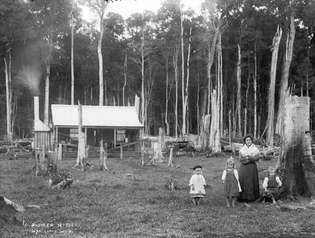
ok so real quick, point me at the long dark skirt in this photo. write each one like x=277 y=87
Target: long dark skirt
x=248 y=176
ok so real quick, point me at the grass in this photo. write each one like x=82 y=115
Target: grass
x=133 y=201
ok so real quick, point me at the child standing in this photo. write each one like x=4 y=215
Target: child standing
x=231 y=182
x=197 y=185
x=271 y=185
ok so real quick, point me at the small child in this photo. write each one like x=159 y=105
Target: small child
x=271 y=186
x=197 y=185
x=231 y=182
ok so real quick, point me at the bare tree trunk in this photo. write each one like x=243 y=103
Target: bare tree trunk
x=147 y=95
x=91 y=95
x=238 y=95
x=14 y=111
x=175 y=58
x=100 y=57
x=214 y=136
x=220 y=85
x=8 y=86
x=307 y=87
x=81 y=141
x=285 y=73
x=294 y=163
x=271 y=94
x=255 y=91
x=182 y=70
x=85 y=95
x=72 y=56
x=230 y=129
x=46 y=110
x=142 y=76
x=204 y=129
x=125 y=76
x=185 y=92
x=103 y=156
x=198 y=107
x=211 y=52
x=246 y=99
x=166 y=97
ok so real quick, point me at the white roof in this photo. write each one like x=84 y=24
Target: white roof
x=40 y=126
x=95 y=116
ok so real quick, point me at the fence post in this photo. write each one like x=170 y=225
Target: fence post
x=121 y=153
x=60 y=151
x=142 y=153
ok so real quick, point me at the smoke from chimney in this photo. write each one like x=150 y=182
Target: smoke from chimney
x=29 y=76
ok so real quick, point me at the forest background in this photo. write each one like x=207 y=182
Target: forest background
x=172 y=59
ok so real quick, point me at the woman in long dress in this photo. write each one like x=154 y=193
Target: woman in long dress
x=248 y=173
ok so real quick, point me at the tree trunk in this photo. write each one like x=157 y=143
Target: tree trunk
x=8 y=86
x=211 y=52
x=271 y=94
x=72 y=58
x=100 y=60
x=246 y=99
x=91 y=95
x=167 y=96
x=103 y=156
x=203 y=128
x=186 y=91
x=197 y=103
x=81 y=141
x=285 y=73
x=182 y=70
x=214 y=136
x=175 y=58
x=142 y=76
x=220 y=85
x=46 y=110
x=238 y=95
x=294 y=163
x=255 y=91
x=125 y=76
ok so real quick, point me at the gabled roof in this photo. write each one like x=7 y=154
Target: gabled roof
x=95 y=116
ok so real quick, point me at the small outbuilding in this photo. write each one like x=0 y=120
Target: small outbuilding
x=42 y=133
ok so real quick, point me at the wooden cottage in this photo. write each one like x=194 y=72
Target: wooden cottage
x=115 y=125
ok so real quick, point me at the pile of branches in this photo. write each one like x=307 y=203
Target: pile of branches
x=61 y=179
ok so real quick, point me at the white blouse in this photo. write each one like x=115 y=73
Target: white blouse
x=252 y=150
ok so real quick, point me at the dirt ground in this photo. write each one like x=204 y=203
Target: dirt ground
x=134 y=201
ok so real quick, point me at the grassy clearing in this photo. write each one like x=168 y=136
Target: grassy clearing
x=134 y=202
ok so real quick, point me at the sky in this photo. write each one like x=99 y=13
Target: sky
x=128 y=7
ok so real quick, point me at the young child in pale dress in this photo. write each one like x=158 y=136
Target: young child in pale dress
x=231 y=182
x=197 y=185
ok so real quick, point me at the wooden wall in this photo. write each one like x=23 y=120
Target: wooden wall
x=43 y=139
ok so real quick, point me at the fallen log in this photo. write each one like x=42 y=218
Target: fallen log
x=8 y=211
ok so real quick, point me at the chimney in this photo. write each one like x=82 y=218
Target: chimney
x=36 y=108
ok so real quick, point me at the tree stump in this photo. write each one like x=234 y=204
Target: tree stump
x=292 y=164
x=103 y=156
x=59 y=152
x=170 y=160
x=142 y=153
